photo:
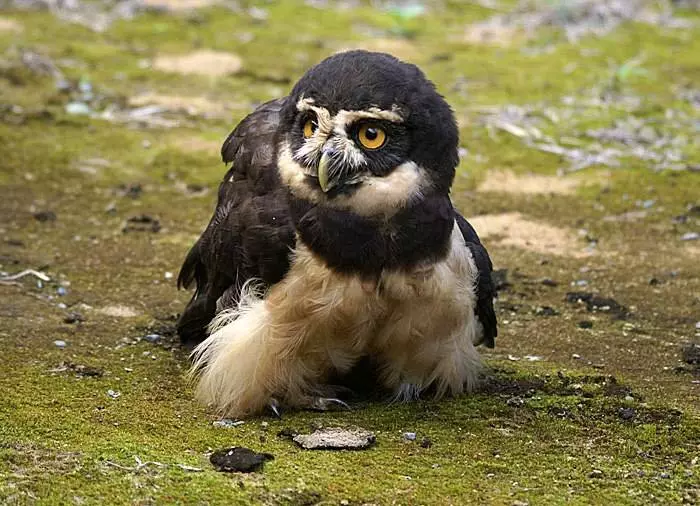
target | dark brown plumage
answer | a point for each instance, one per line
(250, 234)
(334, 244)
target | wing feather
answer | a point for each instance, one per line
(485, 288)
(250, 233)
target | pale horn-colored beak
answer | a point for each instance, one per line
(323, 172)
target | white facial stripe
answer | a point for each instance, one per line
(344, 118)
(376, 196)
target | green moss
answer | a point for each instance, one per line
(546, 432)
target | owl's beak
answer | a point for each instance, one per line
(326, 180)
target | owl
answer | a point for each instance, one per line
(334, 242)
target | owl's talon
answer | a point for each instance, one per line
(324, 403)
(275, 407)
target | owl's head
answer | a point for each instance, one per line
(366, 132)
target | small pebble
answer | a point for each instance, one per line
(576, 356)
(113, 394)
(152, 338)
(60, 344)
(409, 436)
(77, 108)
(168, 275)
(665, 476)
(73, 318)
(61, 305)
(63, 85)
(596, 473)
(61, 291)
(690, 236)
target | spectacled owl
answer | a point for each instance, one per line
(334, 240)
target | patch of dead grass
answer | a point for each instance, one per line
(179, 5)
(194, 106)
(512, 229)
(10, 25)
(119, 311)
(204, 62)
(506, 181)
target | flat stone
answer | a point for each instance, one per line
(336, 438)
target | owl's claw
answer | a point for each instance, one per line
(325, 403)
(275, 407)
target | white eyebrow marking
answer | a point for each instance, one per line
(347, 117)
(323, 117)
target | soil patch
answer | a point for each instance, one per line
(512, 229)
(204, 62)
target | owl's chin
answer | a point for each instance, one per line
(346, 188)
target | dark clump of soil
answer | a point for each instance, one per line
(287, 433)
(560, 384)
(691, 354)
(500, 279)
(73, 317)
(597, 303)
(546, 311)
(133, 191)
(44, 216)
(84, 371)
(142, 223)
(239, 459)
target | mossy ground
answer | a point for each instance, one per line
(605, 416)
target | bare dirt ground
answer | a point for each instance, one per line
(580, 169)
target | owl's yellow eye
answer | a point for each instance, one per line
(371, 137)
(309, 128)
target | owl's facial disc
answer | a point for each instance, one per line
(342, 150)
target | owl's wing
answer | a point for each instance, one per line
(250, 234)
(485, 288)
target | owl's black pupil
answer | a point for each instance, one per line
(371, 133)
